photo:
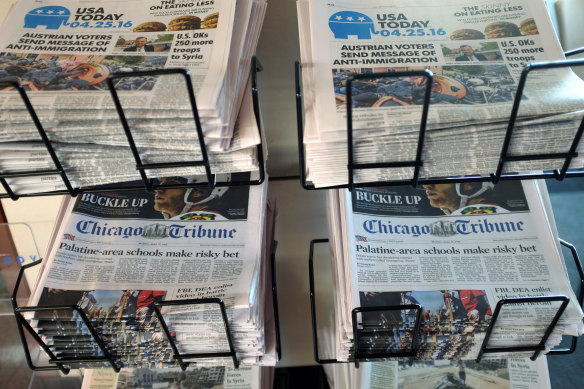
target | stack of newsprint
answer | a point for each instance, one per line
(62, 53)
(218, 377)
(454, 250)
(116, 254)
(476, 51)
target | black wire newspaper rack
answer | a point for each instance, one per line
(57, 363)
(418, 163)
(148, 183)
(359, 356)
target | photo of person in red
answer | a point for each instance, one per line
(145, 302)
(476, 305)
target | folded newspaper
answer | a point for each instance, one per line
(62, 53)
(494, 373)
(219, 377)
(454, 250)
(476, 52)
(116, 254)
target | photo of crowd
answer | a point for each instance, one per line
(466, 83)
(47, 72)
(132, 306)
(483, 83)
(124, 320)
(395, 91)
(449, 320)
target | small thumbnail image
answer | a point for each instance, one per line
(471, 52)
(136, 43)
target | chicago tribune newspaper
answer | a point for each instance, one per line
(62, 53)
(456, 250)
(114, 254)
(476, 51)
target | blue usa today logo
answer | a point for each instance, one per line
(9, 260)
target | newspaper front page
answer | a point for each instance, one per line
(476, 50)
(56, 46)
(116, 253)
(456, 250)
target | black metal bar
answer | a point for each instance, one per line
(377, 165)
(43, 135)
(21, 322)
(539, 157)
(572, 152)
(275, 302)
(523, 300)
(313, 303)
(8, 190)
(300, 127)
(574, 343)
(181, 357)
(13, 298)
(256, 67)
(159, 165)
(574, 51)
(503, 158)
(128, 132)
(205, 355)
(30, 173)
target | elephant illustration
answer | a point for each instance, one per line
(52, 17)
(346, 23)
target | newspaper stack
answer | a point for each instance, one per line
(455, 250)
(476, 53)
(219, 377)
(115, 254)
(62, 53)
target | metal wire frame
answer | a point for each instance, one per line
(484, 348)
(29, 173)
(231, 353)
(275, 302)
(504, 157)
(59, 363)
(181, 357)
(359, 357)
(537, 349)
(149, 184)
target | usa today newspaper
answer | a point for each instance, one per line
(475, 49)
(456, 250)
(55, 46)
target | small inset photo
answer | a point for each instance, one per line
(471, 52)
(146, 43)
